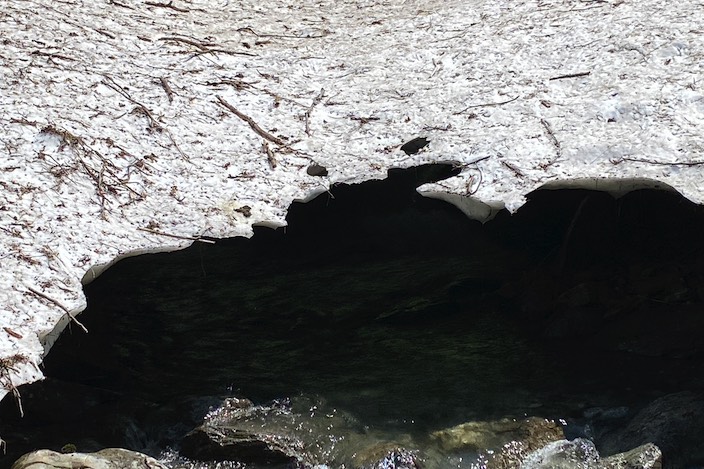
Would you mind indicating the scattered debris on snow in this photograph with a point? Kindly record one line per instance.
(132, 126)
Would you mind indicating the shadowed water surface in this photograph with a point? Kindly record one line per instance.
(393, 307)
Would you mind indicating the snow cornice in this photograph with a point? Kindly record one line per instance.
(132, 126)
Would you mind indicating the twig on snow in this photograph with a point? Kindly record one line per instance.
(660, 163)
(14, 334)
(52, 55)
(110, 83)
(269, 154)
(500, 103)
(287, 36)
(167, 5)
(7, 364)
(571, 75)
(191, 42)
(514, 169)
(116, 3)
(205, 47)
(190, 238)
(80, 149)
(553, 139)
(167, 88)
(315, 102)
(153, 123)
(261, 132)
(60, 305)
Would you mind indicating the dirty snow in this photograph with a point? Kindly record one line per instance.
(115, 134)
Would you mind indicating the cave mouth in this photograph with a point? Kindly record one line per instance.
(392, 306)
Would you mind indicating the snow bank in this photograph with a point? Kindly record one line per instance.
(130, 126)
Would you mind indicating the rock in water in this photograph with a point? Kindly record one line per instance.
(647, 456)
(675, 423)
(238, 431)
(576, 454)
(111, 458)
(532, 433)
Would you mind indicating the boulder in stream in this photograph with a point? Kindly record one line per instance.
(241, 431)
(674, 422)
(297, 433)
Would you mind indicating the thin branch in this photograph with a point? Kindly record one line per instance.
(60, 305)
(14, 334)
(200, 45)
(205, 47)
(486, 105)
(269, 154)
(5, 373)
(287, 36)
(167, 88)
(153, 123)
(660, 163)
(167, 5)
(52, 55)
(110, 83)
(571, 75)
(553, 139)
(514, 169)
(190, 238)
(261, 132)
(315, 102)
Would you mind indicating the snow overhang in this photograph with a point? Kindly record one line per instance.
(131, 126)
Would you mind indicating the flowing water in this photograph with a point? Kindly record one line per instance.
(398, 313)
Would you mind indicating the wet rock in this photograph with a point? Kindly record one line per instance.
(647, 456)
(238, 431)
(398, 458)
(112, 458)
(386, 455)
(210, 443)
(295, 433)
(675, 423)
(532, 433)
(581, 453)
(576, 454)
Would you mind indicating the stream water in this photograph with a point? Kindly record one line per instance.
(389, 308)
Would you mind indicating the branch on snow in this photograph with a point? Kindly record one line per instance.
(261, 132)
(153, 123)
(60, 305)
(660, 163)
(167, 5)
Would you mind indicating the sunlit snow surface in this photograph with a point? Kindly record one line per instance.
(111, 122)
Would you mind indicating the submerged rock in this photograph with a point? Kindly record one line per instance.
(111, 458)
(532, 433)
